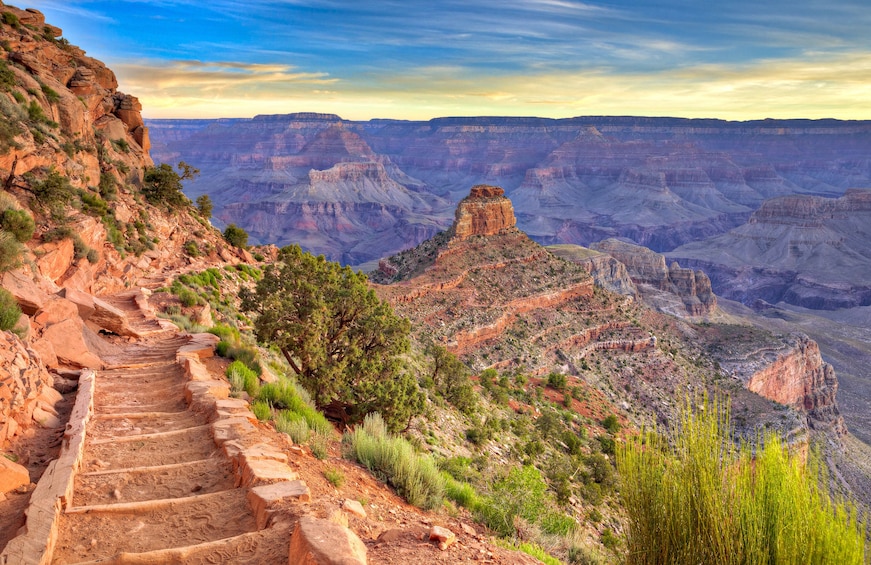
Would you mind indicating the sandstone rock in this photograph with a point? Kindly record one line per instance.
(22, 380)
(56, 258)
(321, 542)
(67, 340)
(443, 536)
(354, 507)
(265, 498)
(46, 418)
(12, 475)
(83, 301)
(486, 211)
(27, 293)
(111, 318)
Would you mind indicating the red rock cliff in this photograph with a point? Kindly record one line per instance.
(486, 211)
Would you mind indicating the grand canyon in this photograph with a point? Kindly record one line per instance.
(561, 286)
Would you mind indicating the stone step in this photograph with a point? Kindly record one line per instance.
(143, 422)
(138, 484)
(189, 445)
(140, 527)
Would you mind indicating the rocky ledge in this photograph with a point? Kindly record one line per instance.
(486, 211)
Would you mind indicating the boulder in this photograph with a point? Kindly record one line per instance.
(27, 293)
(84, 302)
(111, 318)
(321, 542)
(12, 475)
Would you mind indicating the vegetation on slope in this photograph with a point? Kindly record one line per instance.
(699, 499)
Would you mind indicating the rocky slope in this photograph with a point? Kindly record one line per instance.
(660, 182)
(73, 152)
(804, 250)
(497, 299)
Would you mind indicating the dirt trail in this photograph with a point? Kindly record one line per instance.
(152, 477)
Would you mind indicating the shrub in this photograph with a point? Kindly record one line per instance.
(205, 206)
(11, 19)
(294, 425)
(334, 476)
(188, 297)
(319, 444)
(191, 248)
(221, 348)
(392, 459)
(9, 310)
(17, 222)
(50, 94)
(54, 189)
(460, 492)
(7, 78)
(236, 236)
(262, 410)
(611, 424)
(10, 251)
(243, 379)
(163, 185)
(557, 381)
(226, 333)
(108, 187)
(699, 499)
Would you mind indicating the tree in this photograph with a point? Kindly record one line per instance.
(341, 340)
(162, 185)
(204, 205)
(236, 236)
(451, 379)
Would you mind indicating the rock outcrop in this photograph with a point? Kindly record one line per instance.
(808, 251)
(23, 382)
(648, 270)
(486, 211)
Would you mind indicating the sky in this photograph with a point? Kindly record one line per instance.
(411, 59)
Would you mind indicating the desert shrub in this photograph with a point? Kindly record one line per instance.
(522, 493)
(17, 222)
(188, 297)
(205, 206)
(699, 499)
(10, 251)
(50, 94)
(226, 333)
(294, 425)
(236, 236)
(221, 348)
(334, 476)
(162, 185)
(9, 310)
(11, 19)
(54, 189)
(93, 204)
(243, 379)
(262, 410)
(393, 459)
(319, 445)
(108, 187)
(191, 248)
(7, 77)
(557, 381)
(460, 492)
(611, 424)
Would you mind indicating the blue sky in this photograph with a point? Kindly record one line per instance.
(417, 60)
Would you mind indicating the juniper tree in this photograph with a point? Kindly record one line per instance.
(343, 343)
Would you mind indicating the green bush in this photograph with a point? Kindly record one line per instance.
(392, 459)
(294, 425)
(205, 206)
(188, 297)
(9, 310)
(226, 333)
(10, 251)
(334, 476)
(17, 222)
(557, 381)
(262, 410)
(54, 189)
(243, 379)
(11, 19)
(191, 248)
(611, 424)
(162, 185)
(699, 499)
(7, 77)
(236, 236)
(221, 348)
(50, 94)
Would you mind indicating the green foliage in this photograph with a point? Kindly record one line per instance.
(243, 379)
(335, 476)
(262, 410)
(11, 19)
(163, 185)
(93, 204)
(192, 248)
(341, 341)
(205, 206)
(522, 493)
(10, 251)
(108, 187)
(460, 492)
(50, 94)
(451, 379)
(699, 499)
(54, 189)
(188, 297)
(236, 236)
(611, 424)
(392, 459)
(225, 332)
(7, 77)
(557, 381)
(121, 145)
(9, 310)
(17, 222)
(294, 425)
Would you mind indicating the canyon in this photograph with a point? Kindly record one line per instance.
(659, 182)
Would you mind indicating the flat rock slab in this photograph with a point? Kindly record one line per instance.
(265, 498)
(12, 475)
(321, 542)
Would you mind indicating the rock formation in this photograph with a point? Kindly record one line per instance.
(808, 251)
(607, 272)
(648, 270)
(660, 182)
(486, 211)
